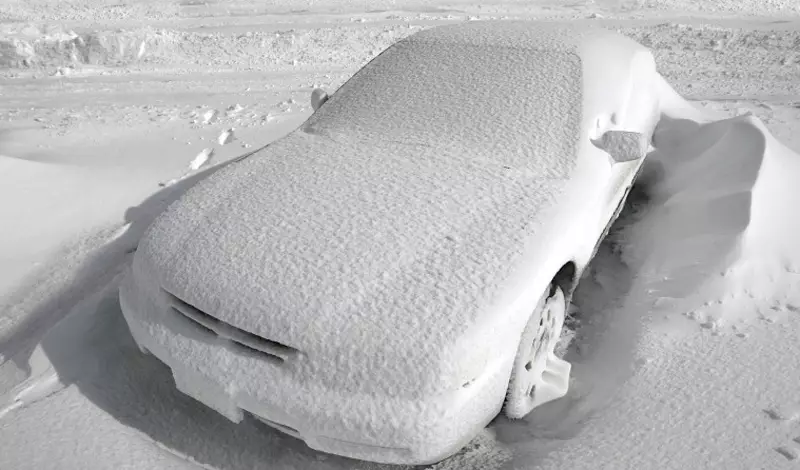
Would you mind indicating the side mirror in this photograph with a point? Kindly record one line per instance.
(318, 98)
(622, 146)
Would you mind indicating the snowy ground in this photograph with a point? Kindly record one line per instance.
(104, 105)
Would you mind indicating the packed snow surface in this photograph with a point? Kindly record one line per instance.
(687, 352)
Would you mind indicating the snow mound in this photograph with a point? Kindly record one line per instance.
(24, 46)
(8, 162)
(29, 46)
(720, 235)
(742, 7)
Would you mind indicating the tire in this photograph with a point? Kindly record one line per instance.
(538, 375)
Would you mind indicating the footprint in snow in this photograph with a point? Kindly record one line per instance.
(789, 415)
(788, 452)
(779, 413)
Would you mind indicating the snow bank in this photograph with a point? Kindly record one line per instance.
(87, 10)
(24, 46)
(720, 234)
(739, 7)
(155, 10)
(31, 46)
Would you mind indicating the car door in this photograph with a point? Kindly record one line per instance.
(623, 128)
(626, 151)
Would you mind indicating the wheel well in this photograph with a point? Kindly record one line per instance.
(566, 278)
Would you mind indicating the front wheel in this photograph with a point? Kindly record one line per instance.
(539, 376)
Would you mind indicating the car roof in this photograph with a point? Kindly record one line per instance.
(542, 36)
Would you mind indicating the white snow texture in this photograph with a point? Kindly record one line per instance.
(716, 244)
(385, 247)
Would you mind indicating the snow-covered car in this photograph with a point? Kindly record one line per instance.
(387, 278)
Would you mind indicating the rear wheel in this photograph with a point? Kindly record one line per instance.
(539, 376)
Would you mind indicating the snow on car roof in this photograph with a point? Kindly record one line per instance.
(555, 36)
(507, 92)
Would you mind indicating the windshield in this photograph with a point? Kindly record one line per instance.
(521, 101)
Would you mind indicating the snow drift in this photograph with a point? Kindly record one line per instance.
(713, 249)
(720, 234)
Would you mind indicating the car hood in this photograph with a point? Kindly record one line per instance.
(362, 255)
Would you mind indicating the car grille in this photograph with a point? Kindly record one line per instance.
(244, 341)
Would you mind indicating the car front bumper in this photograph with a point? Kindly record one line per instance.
(370, 427)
